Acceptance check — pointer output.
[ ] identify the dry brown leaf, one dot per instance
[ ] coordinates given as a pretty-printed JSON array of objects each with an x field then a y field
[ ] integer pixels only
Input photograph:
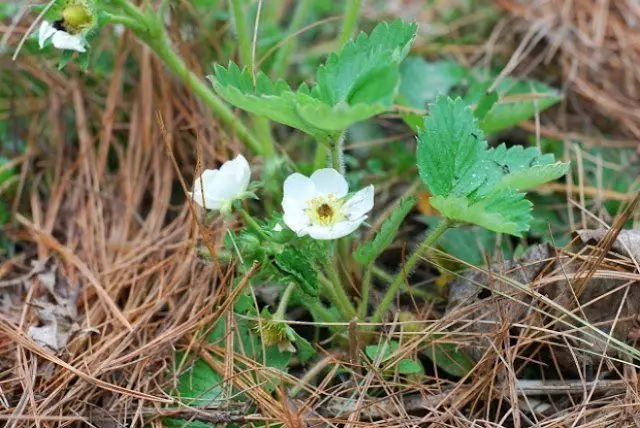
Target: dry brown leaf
[{"x": 56, "y": 310}]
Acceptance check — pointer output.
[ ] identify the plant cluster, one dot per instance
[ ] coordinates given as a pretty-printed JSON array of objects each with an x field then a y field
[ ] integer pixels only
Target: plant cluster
[{"x": 304, "y": 246}]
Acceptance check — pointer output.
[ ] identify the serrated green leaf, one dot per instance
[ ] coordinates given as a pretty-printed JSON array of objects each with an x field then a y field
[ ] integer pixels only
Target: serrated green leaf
[
  {"x": 525, "y": 169},
  {"x": 366, "y": 70},
  {"x": 407, "y": 367},
  {"x": 356, "y": 83},
  {"x": 294, "y": 262},
  {"x": 422, "y": 81},
  {"x": 275, "y": 101},
  {"x": 369, "y": 251},
  {"x": 333, "y": 118},
  {"x": 503, "y": 211},
  {"x": 451, "y": 151}
]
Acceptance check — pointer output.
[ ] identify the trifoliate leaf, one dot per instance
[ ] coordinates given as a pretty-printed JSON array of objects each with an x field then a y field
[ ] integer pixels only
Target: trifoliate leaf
[
  {"x": 503, "y": 211},
  {"x": 294, "y": 262},
  {"x": 451, "y": 151},
  {"x": 275, "y": 101},
  {"x": 471, "y": 183},
  {"x": 356, "y": 83},
  {"x": 369, "y": 251},
  {"x": 525, "y": 169}
]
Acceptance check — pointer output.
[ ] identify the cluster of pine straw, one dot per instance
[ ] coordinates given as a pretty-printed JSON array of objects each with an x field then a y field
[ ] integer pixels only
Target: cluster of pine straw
[{"x": 100, "y": 212}]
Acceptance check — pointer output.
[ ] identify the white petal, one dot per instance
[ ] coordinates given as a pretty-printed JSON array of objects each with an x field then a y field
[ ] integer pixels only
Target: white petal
[
  {"x": 334, "y": 231},
  {"x": 360, "y": 203},
  {"x": 64, "y": 40},
  {"x": 46, "y": 31},
  {"x": 296, "y": 220},
  {"x": 208, "y": 203},
  {"x": 328, "y": 180},
  {"x": 298, "y": 189},
  {"x": 238, "y": 172}
]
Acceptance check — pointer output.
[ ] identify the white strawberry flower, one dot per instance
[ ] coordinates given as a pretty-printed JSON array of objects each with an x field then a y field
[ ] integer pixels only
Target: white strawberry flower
[
  {"x": 216, "y": 189},
  {"x": 318, "y": 206},
  {"x": 60, "y": 38}
]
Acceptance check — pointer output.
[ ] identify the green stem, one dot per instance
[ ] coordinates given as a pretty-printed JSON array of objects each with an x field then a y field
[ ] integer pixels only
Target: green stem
[
  {"x": 351, "y": 14},
  {"x": 284, "y": 300},
  {"x": 252, "y": 224},
  {"x": 342, "y": 298},
  {"x": 151, "y": 31},
  {"x": 423, "y": 250},
  {"x": 365, "y": 290},
  {"x": 320, "y": 313},
  {"x": 338, "y": 154},
  {"x": 131, "y": 10},
  {"x": 321, "y": 156},
  {"x": 281, "y": 62},
  {"x": 127, "y": 21}
]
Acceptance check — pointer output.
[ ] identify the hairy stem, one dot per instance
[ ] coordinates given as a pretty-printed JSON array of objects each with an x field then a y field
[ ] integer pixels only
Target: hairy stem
[
  {"x": 365, "y": 291},
  {"x": 342, "y": 298},
  {"x": 350, "y": 23},
  {"x": 337, "y": 154},
  {"x": 422, "y": 251},
  {"x": 284, "y": 300}
]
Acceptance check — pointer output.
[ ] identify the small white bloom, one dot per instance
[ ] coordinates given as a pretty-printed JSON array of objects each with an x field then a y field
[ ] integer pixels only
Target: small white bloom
[
  {"x": 216, "y": 189},
  {"x": 317, "y": 206},
  {"x": 60, "y": 39},
  {"x": 277, "y": 227}
]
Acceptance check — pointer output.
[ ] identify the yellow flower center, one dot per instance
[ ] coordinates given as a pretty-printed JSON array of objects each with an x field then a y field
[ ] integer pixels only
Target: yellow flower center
[
  {"x": 325, "y": 210},
  {"x": 76, "y": 18}
]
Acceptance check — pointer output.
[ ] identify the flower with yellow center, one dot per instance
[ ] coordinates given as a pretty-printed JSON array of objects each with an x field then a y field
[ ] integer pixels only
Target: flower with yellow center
[{"x": 318, "y": 206}]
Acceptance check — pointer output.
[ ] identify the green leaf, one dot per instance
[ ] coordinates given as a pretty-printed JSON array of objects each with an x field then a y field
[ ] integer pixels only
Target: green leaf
[
  {"x": 503, "y": 211},
  {"x": 358, "y": 82},
  {"x": 200, "y": 385},
  {"x": 451, "y": 150},
  {"x": 471, "y": 183},
  {"x": 519, "y": 101},
  {"x": 369, "y": 251},
  {"x": 334, "y": 118},
  {"x": 421, "y": 81},
  {"x": 366, "y": 70},
  {"x": 385, "y": 348},
  {"x": 526, "y": 168},
  {"x": 275, "y": 101},
  {"x": 449, "y": 358},
  {"x": 294, "y": 262},
  {"x": 408, "y": 367},
  {"x": 486, "y": 102}
]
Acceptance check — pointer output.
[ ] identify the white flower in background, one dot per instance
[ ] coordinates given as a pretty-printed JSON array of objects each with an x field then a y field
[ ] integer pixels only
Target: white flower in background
[
  {"x": 318, "y": 205},
  {"x": 59, "y": 38},
  {"x": 217, "y": 189}
]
